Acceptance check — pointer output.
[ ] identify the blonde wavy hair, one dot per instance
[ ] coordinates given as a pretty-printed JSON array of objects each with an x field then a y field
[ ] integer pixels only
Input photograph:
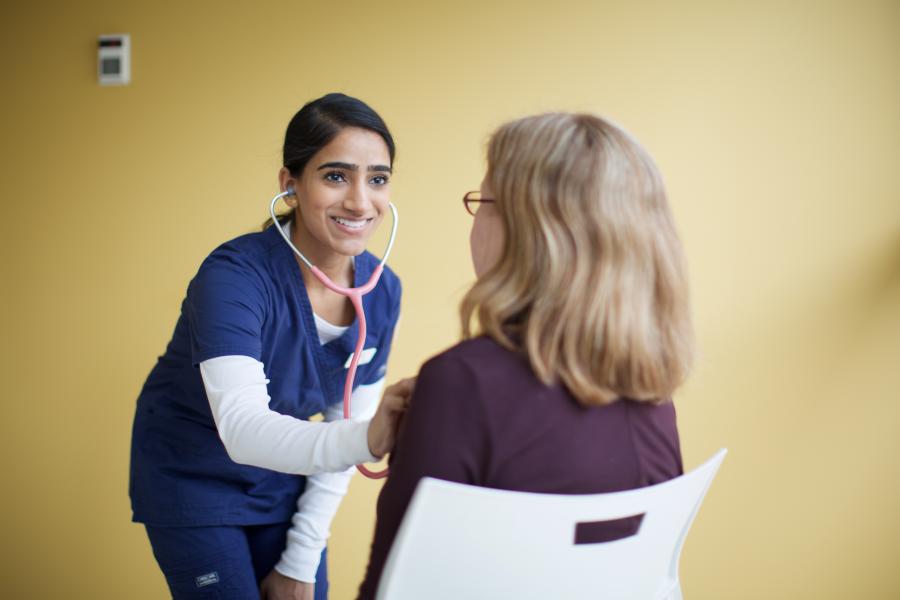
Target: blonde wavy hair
[{"x": 591, "y": 280}]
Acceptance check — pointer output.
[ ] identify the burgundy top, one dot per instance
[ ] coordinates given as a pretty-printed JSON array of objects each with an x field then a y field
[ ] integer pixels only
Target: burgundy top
[{"x": 480, "y": 416}]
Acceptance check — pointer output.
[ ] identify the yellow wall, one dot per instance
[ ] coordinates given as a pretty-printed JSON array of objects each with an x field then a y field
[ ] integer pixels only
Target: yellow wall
[{"x": 777, "y": 126}]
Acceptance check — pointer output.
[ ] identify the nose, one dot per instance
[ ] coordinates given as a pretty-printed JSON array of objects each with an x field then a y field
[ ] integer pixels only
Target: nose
[{"x": 357, "y": 200}]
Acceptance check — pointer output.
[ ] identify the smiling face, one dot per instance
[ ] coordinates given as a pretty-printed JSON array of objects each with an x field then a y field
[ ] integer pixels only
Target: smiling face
[{"x": 341, "y": 195}]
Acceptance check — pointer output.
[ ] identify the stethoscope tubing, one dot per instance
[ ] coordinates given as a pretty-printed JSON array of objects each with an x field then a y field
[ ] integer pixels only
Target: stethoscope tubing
[{"x": 355, "y": 295}]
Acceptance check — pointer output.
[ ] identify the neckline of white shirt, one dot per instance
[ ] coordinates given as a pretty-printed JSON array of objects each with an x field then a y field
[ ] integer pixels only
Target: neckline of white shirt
[{"x": 328, "y": 331}]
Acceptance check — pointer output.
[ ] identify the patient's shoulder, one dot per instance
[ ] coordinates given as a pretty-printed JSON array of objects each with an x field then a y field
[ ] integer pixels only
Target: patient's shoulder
[
  {"x": 482, "y": 356},
  {"x": 476, "y": 349}
]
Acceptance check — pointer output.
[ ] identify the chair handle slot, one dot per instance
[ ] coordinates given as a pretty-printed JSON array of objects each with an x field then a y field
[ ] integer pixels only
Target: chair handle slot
[{"x": 601, "y": 532}]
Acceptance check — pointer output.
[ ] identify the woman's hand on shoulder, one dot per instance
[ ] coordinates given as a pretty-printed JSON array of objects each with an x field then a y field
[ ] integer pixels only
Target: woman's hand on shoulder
[
  {"x": 279, "y": 587},
  {"x": 384, "y": 425}
]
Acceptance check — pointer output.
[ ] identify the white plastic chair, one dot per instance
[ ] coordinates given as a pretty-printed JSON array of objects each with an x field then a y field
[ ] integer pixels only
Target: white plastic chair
[{"x": 462, "y": 542}]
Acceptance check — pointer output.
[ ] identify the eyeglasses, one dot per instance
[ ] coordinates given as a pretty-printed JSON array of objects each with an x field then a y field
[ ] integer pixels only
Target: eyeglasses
[{"x": 473, "y": 200}]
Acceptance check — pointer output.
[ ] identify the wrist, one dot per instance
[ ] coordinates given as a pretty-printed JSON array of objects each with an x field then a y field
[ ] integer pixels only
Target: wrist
[{"x": 299, "y": 573}]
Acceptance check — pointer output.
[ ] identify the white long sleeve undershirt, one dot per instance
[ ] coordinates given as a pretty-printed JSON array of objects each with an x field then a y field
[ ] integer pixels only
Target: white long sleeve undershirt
[{"x": 253, "y": 434}]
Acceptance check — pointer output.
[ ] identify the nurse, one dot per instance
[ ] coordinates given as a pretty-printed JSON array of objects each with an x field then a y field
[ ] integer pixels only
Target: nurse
[{"x": 235, "y": 486}]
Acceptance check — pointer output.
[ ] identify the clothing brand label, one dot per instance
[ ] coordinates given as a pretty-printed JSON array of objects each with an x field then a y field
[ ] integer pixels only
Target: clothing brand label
[
  {"x": 365, "y": 358},
  {"x": 208, "y": 579}
]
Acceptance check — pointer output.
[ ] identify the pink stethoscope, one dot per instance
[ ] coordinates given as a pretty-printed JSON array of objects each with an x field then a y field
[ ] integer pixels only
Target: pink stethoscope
[{"x": 355, "y": 295}]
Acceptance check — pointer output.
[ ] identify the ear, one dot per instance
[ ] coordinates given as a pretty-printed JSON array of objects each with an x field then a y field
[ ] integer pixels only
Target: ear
[{"x": 287, "y": 182}]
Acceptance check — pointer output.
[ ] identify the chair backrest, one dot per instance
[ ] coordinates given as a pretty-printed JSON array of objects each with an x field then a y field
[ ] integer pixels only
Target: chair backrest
[{"x": 464, "y": 542}]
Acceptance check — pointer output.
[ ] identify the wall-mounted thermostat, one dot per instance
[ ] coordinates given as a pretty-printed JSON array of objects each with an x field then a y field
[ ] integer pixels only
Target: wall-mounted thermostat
[{"x": 114, "y": 59}]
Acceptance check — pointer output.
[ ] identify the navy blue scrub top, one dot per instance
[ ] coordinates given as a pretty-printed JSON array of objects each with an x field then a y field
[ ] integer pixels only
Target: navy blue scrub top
[{"x": 248, "y": 299}]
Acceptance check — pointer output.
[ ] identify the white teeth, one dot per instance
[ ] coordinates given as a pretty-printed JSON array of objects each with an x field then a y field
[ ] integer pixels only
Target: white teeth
[{"x": 352, "y": 224}]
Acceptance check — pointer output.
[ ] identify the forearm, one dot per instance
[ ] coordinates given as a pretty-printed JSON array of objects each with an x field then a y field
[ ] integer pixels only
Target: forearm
[
  {"x": 311, "y": 524},
  {"x": 321, "y": 499},
  {"x": 255, "y": 435}
]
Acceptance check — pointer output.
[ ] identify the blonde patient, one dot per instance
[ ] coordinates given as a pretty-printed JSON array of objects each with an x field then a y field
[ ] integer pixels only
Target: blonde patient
[{"x": 576, "y": 334}]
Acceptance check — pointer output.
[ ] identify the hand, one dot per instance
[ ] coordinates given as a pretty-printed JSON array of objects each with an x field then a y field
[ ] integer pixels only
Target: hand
[
  {"x": 384, "y": 425},
  {"x": 278, "y": 587}
]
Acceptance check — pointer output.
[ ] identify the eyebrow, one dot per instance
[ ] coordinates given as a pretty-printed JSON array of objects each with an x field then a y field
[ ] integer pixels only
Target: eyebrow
[{"x": 350, "y": 167}]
